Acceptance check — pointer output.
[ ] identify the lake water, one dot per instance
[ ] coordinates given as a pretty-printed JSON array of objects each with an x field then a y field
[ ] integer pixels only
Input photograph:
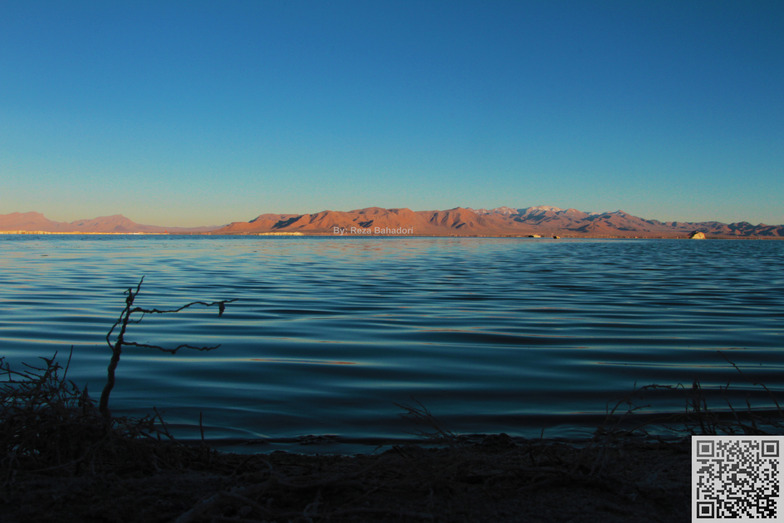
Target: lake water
[{"x": 329, "y": 334}]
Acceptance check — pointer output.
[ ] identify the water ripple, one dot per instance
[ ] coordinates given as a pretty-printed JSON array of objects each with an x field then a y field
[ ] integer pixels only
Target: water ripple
[{"x": 328, "y": 334}]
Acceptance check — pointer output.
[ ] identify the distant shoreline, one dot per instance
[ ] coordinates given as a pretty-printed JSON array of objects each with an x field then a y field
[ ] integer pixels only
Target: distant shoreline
[
  {"x": 299, "y": 234},
  {"x": 82, "y": 233}
]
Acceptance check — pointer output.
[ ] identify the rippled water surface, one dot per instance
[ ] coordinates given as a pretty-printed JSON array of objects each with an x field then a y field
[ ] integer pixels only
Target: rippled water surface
[{"x": 328, "y": 334}]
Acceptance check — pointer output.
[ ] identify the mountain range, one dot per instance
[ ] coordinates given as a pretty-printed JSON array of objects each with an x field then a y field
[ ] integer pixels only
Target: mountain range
[{"x": 541, "y": 220}]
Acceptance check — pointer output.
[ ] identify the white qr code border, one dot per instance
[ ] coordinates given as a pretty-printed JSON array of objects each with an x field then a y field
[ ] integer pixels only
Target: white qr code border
[{"x": 722, "y": 468}]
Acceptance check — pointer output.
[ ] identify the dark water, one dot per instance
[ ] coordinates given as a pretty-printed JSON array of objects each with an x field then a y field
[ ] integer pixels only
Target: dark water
[{"x": 492, "y": 335}]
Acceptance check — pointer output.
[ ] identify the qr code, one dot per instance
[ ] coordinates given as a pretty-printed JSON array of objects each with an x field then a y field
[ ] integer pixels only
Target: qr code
[{"x": 736, "y": 478}]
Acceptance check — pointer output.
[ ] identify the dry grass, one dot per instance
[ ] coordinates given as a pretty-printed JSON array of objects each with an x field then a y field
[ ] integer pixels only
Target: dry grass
[
  {"x": 49, "y": 426},
  {"x": 65, "y": 461}
]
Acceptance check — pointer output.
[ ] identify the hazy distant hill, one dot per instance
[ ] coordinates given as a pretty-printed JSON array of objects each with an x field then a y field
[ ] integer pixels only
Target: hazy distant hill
[
  {"x": 541, "y": 220},
  {"x": 37, "y": 222}
]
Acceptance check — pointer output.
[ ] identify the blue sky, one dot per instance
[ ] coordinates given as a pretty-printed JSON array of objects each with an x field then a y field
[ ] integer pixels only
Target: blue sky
[{"x": 202, "y": 113}]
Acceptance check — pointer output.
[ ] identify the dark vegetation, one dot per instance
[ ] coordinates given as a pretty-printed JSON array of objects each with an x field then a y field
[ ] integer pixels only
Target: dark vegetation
[{"x": 66, "y": 458}]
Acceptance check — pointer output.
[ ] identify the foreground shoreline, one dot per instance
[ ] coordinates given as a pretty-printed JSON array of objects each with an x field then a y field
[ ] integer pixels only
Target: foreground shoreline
[
  {"x": 65, "y": 459},
  {"x": 494, "y": 479}
]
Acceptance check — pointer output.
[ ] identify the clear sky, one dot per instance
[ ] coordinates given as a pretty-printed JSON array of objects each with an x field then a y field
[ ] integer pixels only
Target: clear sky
[{"x": 203, "y": 113}]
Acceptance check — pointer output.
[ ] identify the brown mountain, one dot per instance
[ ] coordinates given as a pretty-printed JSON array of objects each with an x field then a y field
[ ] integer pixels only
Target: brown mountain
[
  {"x": 503, "y": 221},
  {"x": 27, "y": 221},
  {"x": 31, "y": 222}
]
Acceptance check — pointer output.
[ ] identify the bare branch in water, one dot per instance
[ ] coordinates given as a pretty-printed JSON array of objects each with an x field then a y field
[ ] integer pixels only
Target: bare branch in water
[{"x": 126, "y": 318}]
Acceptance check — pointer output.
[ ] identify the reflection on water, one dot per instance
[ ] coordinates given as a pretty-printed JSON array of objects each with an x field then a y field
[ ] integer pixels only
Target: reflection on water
[
  {"x": 303, "y": 361},
  {"x": 510, "y": 335}
]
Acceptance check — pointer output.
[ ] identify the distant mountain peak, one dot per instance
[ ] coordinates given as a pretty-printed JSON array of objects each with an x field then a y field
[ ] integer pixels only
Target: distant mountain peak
[
  {"x": 549, "y": 208},
  {"x": 504, "y": 210}
]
